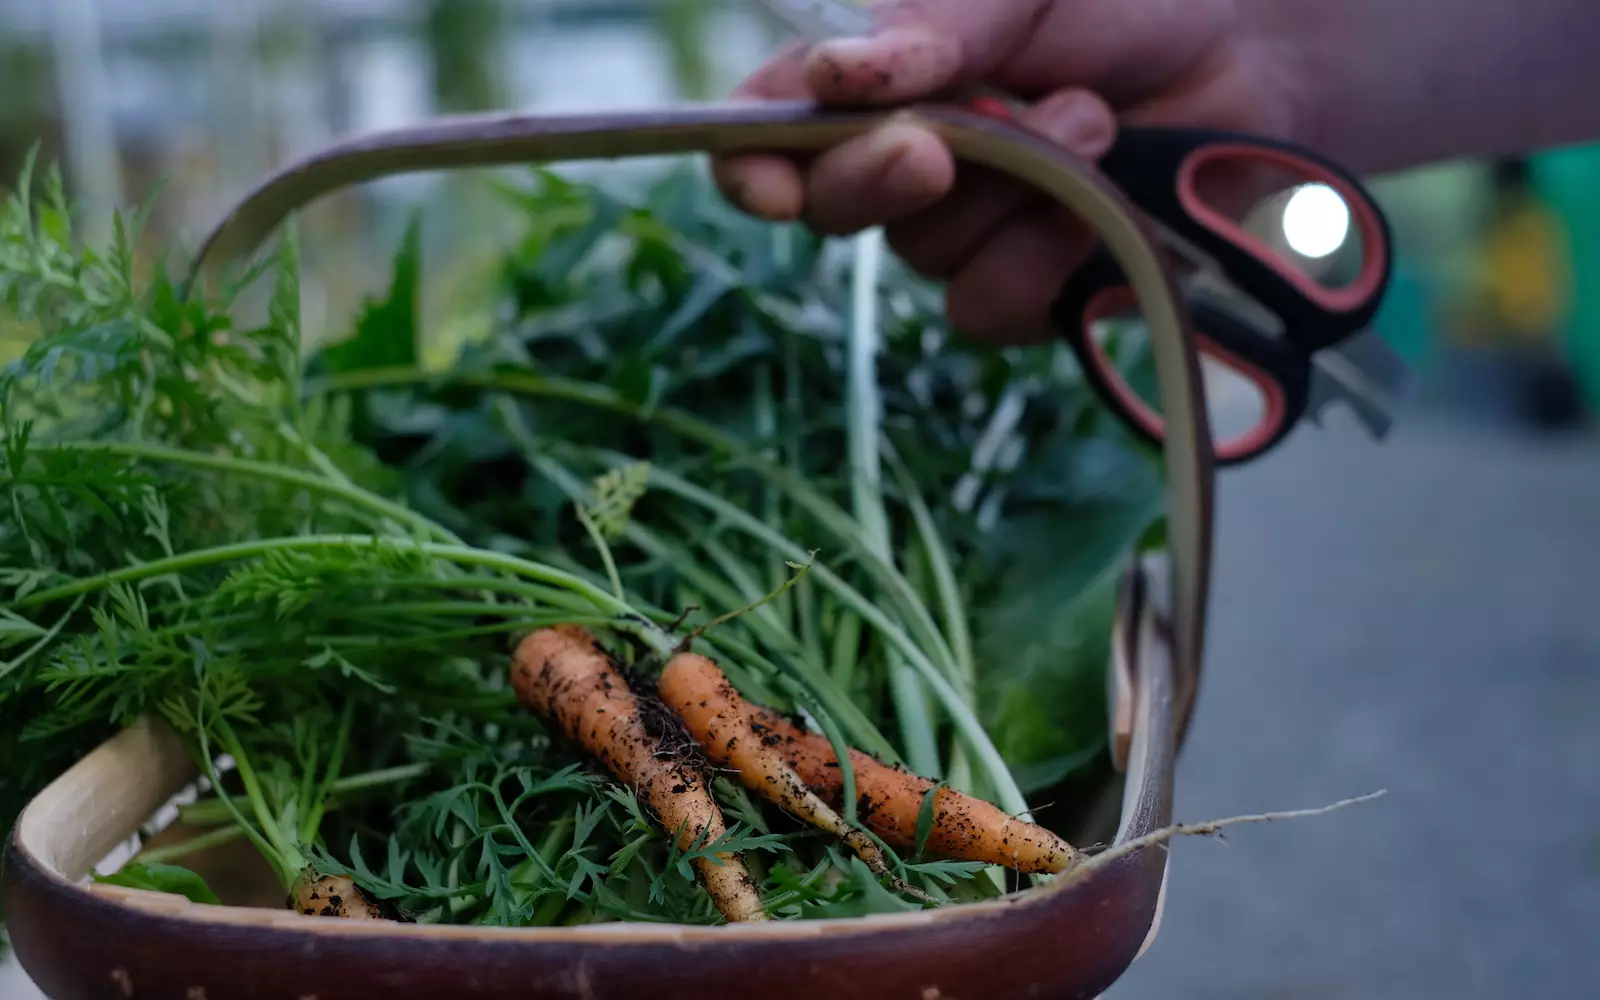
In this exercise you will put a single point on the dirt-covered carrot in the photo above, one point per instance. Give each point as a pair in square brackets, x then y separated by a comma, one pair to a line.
[566, 677]
[889, 799]
[337, 896]
[696, 689]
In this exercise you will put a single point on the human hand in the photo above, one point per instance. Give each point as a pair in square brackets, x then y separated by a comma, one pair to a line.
[1001, 249]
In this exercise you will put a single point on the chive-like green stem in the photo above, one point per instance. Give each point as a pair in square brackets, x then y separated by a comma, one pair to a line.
[864, 413]
[203, 842]
[589, 394]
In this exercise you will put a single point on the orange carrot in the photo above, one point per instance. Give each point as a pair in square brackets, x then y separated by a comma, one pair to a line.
[336, 896]
[696, 689]
[565, 676]
[888, 800]
[711, 708]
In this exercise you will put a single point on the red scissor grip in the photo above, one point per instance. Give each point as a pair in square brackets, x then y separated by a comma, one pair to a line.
[1119, 300]
[1368, 284]
[992, 107]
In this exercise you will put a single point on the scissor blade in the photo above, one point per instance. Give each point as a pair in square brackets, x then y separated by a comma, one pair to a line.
[819, 20]
[1325, 391]
[1366, 374]
[1376, 361]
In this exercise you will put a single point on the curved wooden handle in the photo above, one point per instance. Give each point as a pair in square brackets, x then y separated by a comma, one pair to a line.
[1071, 937]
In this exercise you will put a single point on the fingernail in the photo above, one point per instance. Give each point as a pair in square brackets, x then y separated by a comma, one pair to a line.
[903, 181]
[769, 204]
[898, 170]
[737, 190]
[760, 187]
[1082, 124]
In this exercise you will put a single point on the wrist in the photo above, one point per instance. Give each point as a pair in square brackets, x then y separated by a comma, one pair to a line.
[1388, 86]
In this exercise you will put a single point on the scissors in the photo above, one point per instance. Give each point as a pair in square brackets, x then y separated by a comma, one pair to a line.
[1300, 345]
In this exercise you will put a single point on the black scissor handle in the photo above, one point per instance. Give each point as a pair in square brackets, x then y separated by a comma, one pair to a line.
[1278, 370]
[1159, 167]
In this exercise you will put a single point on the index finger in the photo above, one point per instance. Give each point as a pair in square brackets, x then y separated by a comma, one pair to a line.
[915, 48]
[767, 185]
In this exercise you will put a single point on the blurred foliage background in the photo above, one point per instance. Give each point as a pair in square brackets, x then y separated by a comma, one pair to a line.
[202, 99]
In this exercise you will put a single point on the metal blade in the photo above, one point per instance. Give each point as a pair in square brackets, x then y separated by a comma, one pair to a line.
[1366, 374]
[1376, 361]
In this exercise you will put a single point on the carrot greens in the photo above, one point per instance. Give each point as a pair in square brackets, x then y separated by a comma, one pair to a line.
[315, 565]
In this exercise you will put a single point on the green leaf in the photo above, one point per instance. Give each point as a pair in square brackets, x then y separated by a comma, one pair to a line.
[284, 307]
[619, 861]
[948, 872]
[387, 331]
[708, 290]
[162, 878]
[15, 629]
[1039, 775]
[564, 254]
[869, 897]
[643, 383]
[1044, 628]
[1045, 699]
[1155, 537]
[925, 816]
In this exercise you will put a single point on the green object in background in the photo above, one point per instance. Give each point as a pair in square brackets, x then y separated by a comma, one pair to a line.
[1405, 319]
[684, 26]
[1431, 212]
[464, 39]
[1570, 181]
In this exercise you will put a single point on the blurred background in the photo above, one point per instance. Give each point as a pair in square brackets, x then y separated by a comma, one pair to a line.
[1416, 614]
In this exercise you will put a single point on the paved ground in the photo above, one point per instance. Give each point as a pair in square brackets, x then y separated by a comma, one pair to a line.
[1420, 616]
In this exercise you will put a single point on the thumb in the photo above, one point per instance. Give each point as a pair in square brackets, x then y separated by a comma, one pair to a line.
[920, 47]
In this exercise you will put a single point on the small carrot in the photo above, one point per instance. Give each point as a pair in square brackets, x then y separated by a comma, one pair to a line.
[565, 676]
[337, 896]
[889, 799]
[696, 689]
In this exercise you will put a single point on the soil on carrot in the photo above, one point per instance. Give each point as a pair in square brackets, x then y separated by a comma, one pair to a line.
[663, 725]
[340, 896]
